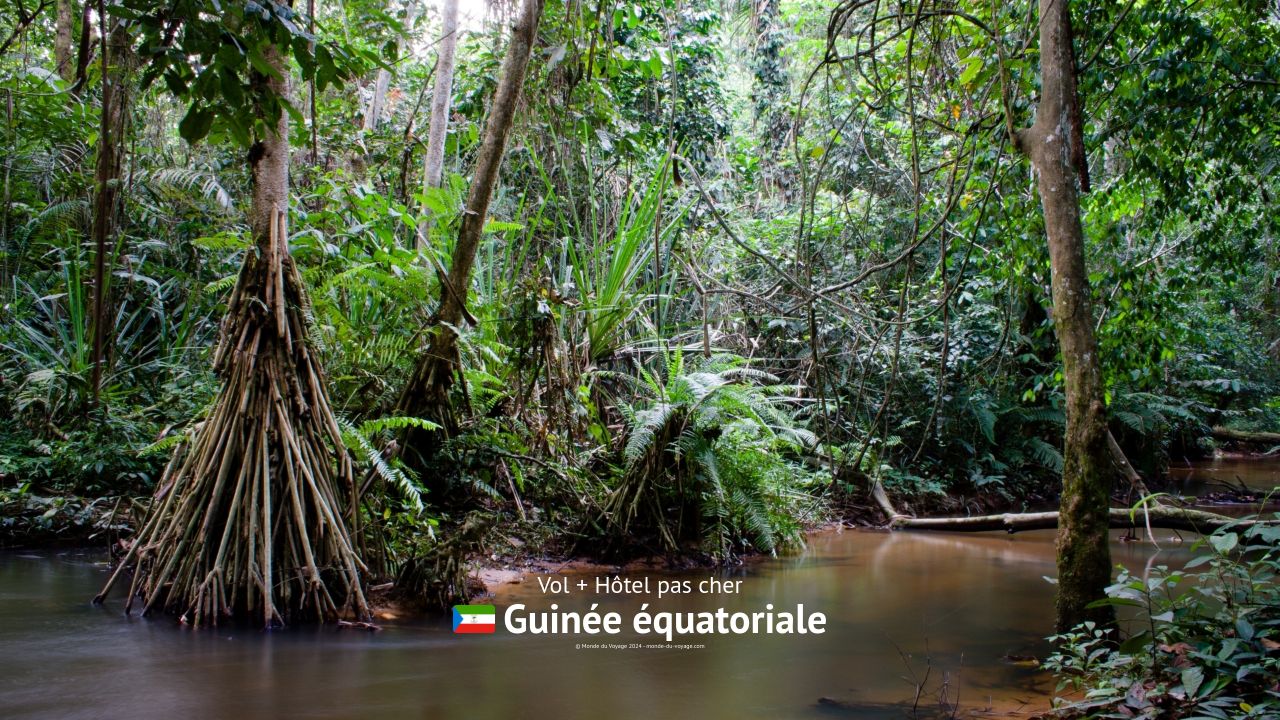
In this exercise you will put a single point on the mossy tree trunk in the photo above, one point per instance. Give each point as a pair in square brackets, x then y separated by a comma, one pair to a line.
[1054, 143]
[64, 25]
[116, 56]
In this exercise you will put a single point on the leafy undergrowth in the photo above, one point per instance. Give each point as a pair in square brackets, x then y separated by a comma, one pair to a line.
[1209, 643]
[28, 519]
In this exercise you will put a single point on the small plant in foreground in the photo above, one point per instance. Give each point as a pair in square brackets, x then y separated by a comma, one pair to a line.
[1208, 644]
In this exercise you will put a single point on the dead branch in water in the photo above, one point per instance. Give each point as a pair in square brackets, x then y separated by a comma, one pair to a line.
[1168, 518]
[1249, 438]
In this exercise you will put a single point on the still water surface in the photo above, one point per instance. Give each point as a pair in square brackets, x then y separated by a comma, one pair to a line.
[1225, 472]
[897, 605]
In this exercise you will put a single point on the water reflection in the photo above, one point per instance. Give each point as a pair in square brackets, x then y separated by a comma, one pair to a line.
[899, 606]
[1229, 471]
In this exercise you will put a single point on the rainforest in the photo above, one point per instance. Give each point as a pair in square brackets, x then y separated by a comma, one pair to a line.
[954, 323]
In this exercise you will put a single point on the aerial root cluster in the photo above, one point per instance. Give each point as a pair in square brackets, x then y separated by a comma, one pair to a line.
[248, 520]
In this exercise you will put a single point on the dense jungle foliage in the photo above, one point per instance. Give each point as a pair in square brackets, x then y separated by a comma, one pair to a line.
[743, 261]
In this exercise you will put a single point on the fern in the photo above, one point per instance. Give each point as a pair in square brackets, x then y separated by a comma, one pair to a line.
[221, 285]
[188, 179]
[1046, 415]
[163, 446]
[710, 433]
[985, 418]
[1045, 454]
[360, 441]
[1133, 421]
[54, 218]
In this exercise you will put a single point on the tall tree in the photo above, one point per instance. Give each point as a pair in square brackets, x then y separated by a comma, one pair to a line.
[442, 94]
[441, 100]
[252, 518]
[116, 56]
[84, 48]
[1055, 146]
[427, 393]
[64, 25]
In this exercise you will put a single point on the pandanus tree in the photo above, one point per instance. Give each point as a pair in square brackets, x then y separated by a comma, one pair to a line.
[254, 515]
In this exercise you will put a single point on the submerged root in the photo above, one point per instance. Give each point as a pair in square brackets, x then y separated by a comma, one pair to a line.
[248, 520]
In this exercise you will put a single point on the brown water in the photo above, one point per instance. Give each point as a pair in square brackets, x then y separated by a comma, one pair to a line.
[898, 606]
[965, 601]
[1225, 472]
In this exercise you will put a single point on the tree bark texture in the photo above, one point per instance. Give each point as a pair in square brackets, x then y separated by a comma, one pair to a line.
[116, 56]
[1053, 145]
[442, 94]
[64, 25]
[441, 102]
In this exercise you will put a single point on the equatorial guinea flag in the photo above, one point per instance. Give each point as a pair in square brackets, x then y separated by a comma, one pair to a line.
[474, 618]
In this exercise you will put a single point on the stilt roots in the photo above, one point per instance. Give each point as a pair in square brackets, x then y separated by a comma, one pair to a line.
[248, 520]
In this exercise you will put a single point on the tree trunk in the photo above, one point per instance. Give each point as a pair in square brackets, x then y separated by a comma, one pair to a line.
[115, 55]
[84, 49]
[1136, 485]
[249, 519]
[64, 24]
[1053, 144]
[427, 393]
[441, 100]
[269, 163]
[373, 111]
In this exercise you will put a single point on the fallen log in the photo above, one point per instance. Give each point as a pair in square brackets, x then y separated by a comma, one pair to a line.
[1167, 518]
[1242, 436]
[1153, 513]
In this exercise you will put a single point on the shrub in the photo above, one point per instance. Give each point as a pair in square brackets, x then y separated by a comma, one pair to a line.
[1209, 642]
[706, 461]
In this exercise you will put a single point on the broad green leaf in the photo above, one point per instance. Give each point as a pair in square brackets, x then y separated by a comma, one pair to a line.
[195, 124]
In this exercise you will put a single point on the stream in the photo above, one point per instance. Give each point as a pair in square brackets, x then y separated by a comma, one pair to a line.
[902, 609]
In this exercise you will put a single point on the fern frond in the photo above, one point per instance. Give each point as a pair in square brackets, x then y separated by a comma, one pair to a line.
[361, 444]
[1045, 454]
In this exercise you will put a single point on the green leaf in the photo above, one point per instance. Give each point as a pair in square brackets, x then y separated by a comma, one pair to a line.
[259, 63]
[229, 83]
[1224, 543]
[437, 200]
[1192, 679]
[973, 66]
[1136, 643]
[499, 226]
[195, 124]
[1197, 561]
[176, 84]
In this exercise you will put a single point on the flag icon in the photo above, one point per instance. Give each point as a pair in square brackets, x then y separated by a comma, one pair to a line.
[474, 618]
